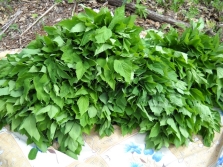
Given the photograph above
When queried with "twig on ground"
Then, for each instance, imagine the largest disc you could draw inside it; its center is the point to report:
(39, 19)
(74, 8)
(105, 4)
(6, 26)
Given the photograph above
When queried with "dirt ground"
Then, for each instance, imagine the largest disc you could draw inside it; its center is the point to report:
(19, 25)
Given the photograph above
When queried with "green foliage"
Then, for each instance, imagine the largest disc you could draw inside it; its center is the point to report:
(32, 154)
(192, 13)
(93, 71)
(217, 4)
(141, 10)
(176, 5)
(14, 27)
(2, 36)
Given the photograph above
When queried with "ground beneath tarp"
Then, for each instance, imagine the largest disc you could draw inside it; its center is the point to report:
(29, 11)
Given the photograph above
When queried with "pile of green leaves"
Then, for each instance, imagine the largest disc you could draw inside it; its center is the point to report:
(93, 71)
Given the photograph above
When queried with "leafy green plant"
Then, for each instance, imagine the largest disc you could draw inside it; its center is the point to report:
(69, 75)
(93, 71)
(217, 4)
(34, 15)
(192, 13)
(141, 10)
(14, 27)
(200, 69)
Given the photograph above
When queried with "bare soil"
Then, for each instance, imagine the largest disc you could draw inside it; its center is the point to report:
(30, 10)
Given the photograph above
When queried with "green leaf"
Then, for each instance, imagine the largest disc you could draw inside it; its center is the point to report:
(81, 91)
(53, 128)
(220, 72)
(41, 94)
(4, 91)
(197, 94)
(60, 42)
(124, 68)
(171, 122)
(92, 111)
(109, 78)
(29, 124)
(204, 111)
(68, 126)
(69, 55)
(81, 69)
(176, 99)
(71, 154)
(118, 17)
(79, 27)
(30, 51)
(184, 111)
(75, 131)
(88, 36)
(103, 34)
(51, 110)
(83, 104)
(102, 48)
(33, 153)
(155, 130)
(104, 98)
(184, 132)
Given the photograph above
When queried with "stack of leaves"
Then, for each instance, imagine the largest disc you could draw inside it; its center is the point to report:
(93, 71)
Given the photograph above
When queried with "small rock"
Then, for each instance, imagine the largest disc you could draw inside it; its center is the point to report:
(22, 19)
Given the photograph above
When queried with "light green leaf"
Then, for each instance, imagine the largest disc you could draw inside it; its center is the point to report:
(104, 98)
(41, 94)
(53, 128)
(9, 108)
(184, 132)
(81, 91)
(79, 27)
(204, 111)
(197, 94)
(87, 37)
(155, 130)
(71, 154)
(56, 89)
(103, 34)
(176, 99)
(16, 93)
(29, 124)
(30, 51)
(2, 81)
(59, 101)
(83, 103)
(69, 55)
(68, 126)
(124, 68)
(109, 78)
(33, 69)
(81, 69)
(51, 110)
(59, 41)
(171, 122)
(4, 91)
(185, 111)
(75, 131)
(92, 111)
(220, 72)
(102, 48)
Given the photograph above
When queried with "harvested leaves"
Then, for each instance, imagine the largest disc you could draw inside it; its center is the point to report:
(93, 71)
